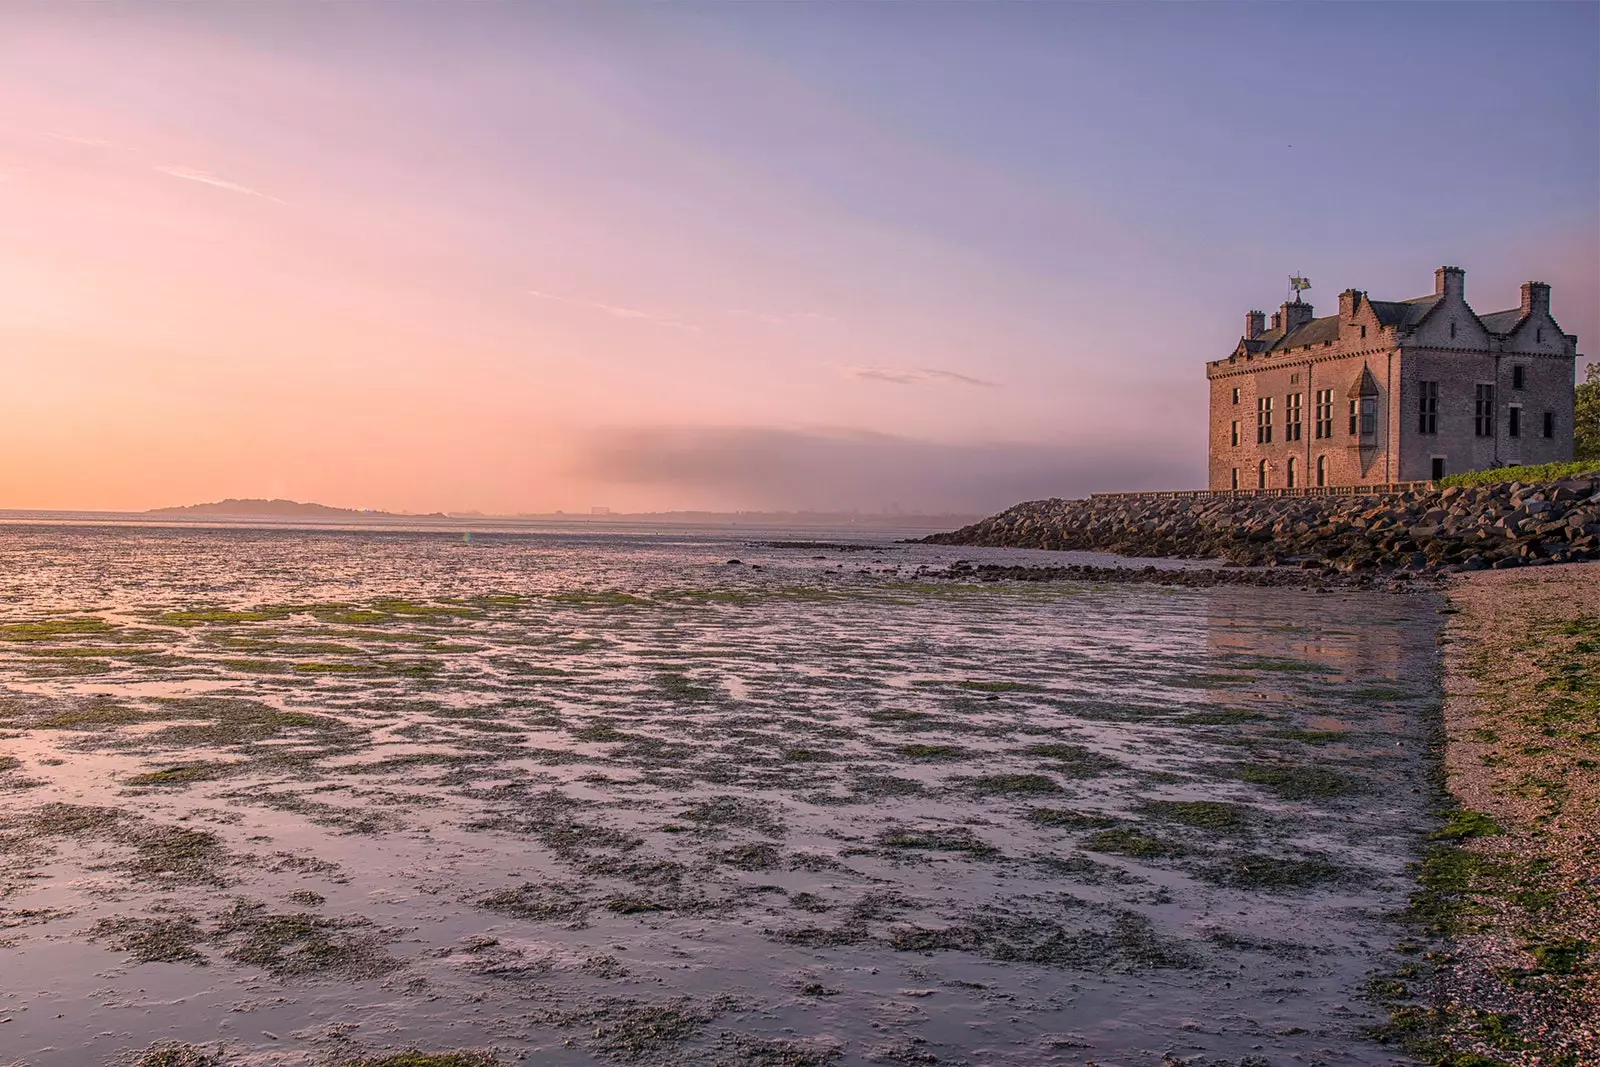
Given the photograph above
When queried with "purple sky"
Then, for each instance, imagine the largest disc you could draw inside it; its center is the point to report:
(525, 257)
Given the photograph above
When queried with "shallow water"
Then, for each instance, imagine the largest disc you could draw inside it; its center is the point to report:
(604, 797)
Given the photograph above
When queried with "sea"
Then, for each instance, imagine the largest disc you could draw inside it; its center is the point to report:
(586, 793)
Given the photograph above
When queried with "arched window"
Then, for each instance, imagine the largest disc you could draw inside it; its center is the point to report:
(1290, 482)
(1261, 475)
(1322, 471)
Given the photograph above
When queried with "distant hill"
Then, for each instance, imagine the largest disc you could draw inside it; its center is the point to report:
(278, 509)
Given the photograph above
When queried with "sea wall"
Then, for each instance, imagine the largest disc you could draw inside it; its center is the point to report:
(1418, 530)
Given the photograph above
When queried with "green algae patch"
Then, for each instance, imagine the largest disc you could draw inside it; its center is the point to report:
(1075, 760)
(952, 839)
(1126, 841)
(1202, 814)
(182, 774)
(1464, 824)
(1065, 819)
(223, 616)
(178, 1054)
(413, 1058)
(1010, 784)
(56, 629)
(927, 752)
(98, 716)
(1298, 782)
(296, 944)
(1274, 874)
(152, 940)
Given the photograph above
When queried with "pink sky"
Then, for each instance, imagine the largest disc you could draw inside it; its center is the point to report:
(521, 259)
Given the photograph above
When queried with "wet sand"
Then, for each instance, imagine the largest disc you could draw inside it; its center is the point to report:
(290, 799)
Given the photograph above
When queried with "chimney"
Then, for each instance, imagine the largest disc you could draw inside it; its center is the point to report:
(1295, 315)
(1449, 281)
(1277, 320)
(1535, 298)
(1348, 301)
(1255, 321)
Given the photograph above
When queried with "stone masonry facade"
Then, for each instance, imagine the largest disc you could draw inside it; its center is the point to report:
(1391, 391)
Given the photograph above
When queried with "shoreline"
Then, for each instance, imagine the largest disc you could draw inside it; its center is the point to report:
(1508, 902)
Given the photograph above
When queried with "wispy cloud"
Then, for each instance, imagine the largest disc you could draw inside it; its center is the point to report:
(615, 310)
(92, 142)
(921, 376)
(206, 178)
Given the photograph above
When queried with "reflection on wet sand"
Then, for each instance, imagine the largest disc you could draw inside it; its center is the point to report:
(305, 795)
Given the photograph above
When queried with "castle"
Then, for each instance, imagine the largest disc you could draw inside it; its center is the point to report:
(1389, 391)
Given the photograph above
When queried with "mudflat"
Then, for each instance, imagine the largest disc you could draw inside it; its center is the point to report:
(304, 798)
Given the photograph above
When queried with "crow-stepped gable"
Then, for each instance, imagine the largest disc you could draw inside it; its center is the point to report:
(1391, 391)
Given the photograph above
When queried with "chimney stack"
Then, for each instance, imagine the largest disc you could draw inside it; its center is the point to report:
(1535, 298)
(1277, 320)
(1348, 301)
(1449, 281)
(1255, 322)
(1295, 315)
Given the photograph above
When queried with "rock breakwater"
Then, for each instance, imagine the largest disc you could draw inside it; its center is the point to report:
(1416, 531)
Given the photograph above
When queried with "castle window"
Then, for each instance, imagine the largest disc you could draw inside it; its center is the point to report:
(1291, 417)
(1514, 420)
(1363, 333)
(1483, 412)
(1518, 376)
(1353, 415)
(1261, 475)
(1324, 413)
(1427, 407)
(1538, 333)
(1322, 471)
(1236, 396)
(1290, 482)
(1263, 420)
(1452, 329)
(1234, 435)
(1549, 424)
(1236, 479)
(1369, 415)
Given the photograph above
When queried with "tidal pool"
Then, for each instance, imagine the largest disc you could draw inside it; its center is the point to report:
(301, 797)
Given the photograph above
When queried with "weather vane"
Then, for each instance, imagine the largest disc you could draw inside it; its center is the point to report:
(1297, 283)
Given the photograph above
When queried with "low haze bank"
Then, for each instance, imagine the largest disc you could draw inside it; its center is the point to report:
(1417, 531)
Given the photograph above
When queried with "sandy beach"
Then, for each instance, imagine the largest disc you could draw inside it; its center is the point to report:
(1512, 885)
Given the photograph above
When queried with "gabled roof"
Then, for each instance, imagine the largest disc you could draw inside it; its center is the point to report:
(1312, 333)
(1403, 312)
(1366, 385)
(1501, 321)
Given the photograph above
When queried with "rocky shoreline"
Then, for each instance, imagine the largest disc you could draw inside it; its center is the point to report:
(1417, 532)
(1316, 579)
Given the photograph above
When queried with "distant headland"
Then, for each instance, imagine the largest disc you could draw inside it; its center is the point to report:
(280, 509)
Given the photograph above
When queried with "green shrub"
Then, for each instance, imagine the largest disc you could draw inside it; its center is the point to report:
(1544, 472)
